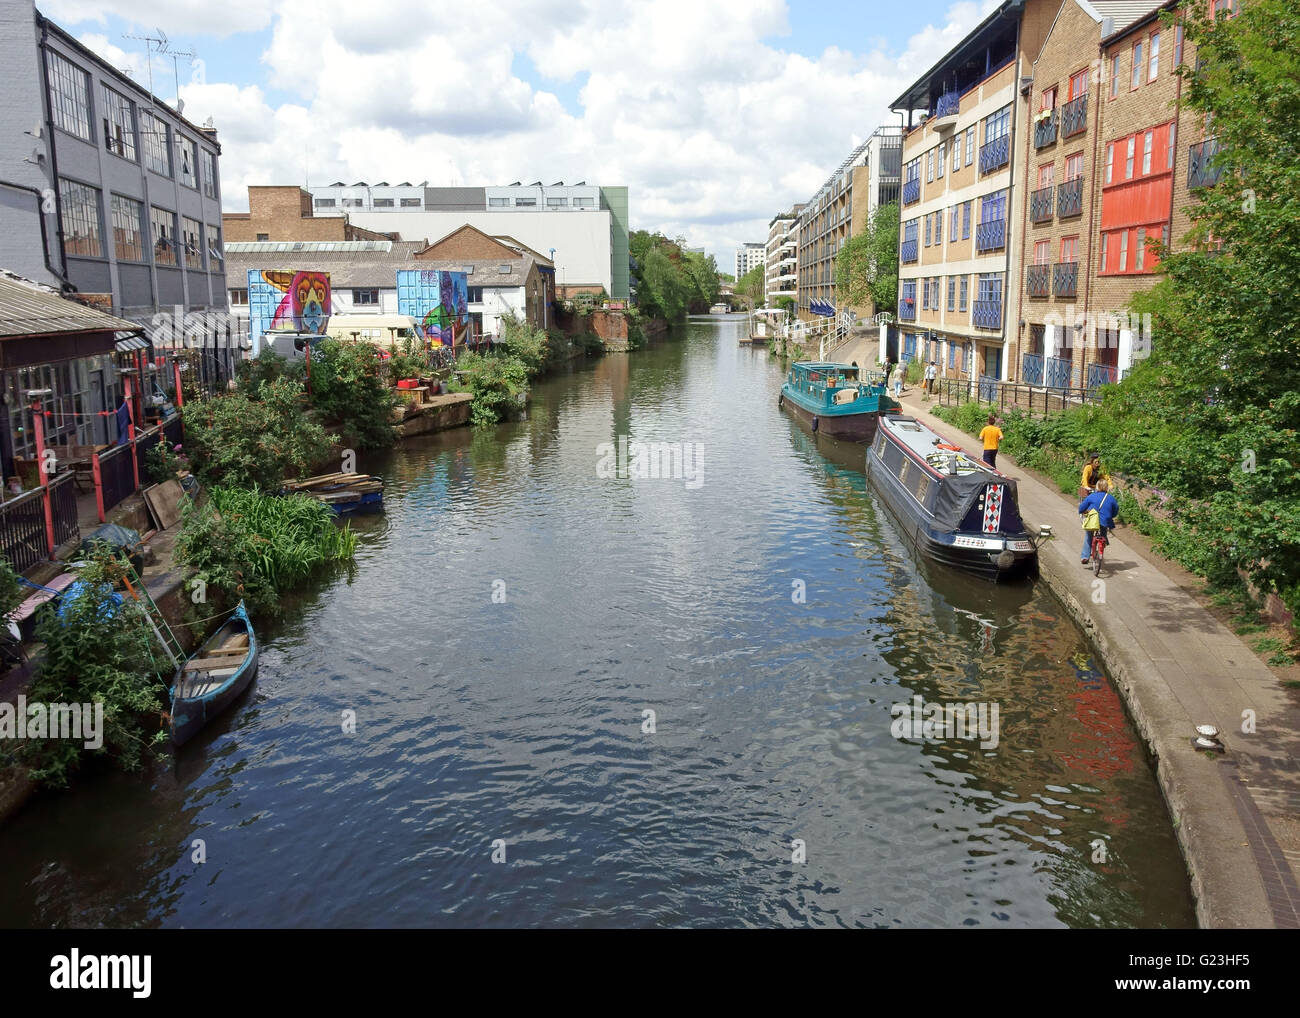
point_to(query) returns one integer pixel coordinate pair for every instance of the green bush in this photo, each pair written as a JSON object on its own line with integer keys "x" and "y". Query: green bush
{"x": 161, "y": 462}
{"x": 268, "y": 366}
{"x": 349, "y": 392}
{"x": 257, "y": 439}
{"x": 498, "y": 383}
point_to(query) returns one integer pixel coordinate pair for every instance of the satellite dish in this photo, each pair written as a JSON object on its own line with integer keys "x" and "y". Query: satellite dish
{"x": 180, "y": 105}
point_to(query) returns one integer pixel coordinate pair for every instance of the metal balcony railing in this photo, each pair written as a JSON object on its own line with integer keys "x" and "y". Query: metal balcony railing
{"x": 1101, "y": 374}
{"x": 907, "y": 309}
{"x": 988, "y": 314}
{"x": 991, "y": 235}
{"x": 1041, "y": 204}
{"x": 1031, "y": 369}
{"x": 1065, "y": 279}
{"x": 1069, "y": 198}
{"x": 911, "y": 190}
{"x": 949, "y": 104}
{"x": 1045, "y": 129}
{"x": 907, "y": 251}
{"x": 995, "y": 154}
{"x": 1058, "y": 372}
{"x": 1038, "y": 280}
{"x": 1074, "y": 116}
{"x": 1201, "y": 168}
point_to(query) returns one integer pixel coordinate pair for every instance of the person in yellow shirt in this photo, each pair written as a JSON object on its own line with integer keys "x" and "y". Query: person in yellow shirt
{"x": 991, "y": 435}
{"x": 1091, "y": 475}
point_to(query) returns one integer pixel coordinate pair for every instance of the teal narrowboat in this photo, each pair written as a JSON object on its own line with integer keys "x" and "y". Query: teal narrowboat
{"x": 836, "y": 399}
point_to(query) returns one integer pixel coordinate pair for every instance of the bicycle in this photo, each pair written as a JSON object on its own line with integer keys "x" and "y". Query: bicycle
{"x": 1098, "y": 551}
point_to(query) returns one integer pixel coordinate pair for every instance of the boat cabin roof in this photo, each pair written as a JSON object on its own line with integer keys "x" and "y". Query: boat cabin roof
{"x": 827, "y": 367}
{"x": 910, "y": 432}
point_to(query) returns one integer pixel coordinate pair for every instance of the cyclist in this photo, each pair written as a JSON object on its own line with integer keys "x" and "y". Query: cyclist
{"x": 1107, "y": 509}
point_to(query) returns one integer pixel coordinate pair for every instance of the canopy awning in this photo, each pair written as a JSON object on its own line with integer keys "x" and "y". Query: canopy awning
{"x": 128, "y": 341}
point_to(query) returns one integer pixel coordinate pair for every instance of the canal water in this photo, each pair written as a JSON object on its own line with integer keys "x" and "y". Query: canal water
{"x": 508, "y": 626}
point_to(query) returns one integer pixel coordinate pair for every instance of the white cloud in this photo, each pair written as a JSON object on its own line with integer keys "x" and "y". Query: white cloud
{"x": 176, "y": 17}
{"x": 693, "y": 105}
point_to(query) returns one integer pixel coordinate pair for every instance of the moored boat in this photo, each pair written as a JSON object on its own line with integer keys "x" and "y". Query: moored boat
{"x": 344, "y": 493}
{"x": 955, "y": 509}
{"x": 719, "y": 309}
{"x": 212, "y": 679}
{"x": 835, "y": 400}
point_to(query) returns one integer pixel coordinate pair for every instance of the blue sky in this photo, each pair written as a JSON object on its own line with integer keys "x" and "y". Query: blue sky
{"x": 716, "y": 115}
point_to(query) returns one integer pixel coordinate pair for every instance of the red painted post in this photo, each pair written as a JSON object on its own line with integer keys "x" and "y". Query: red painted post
{"x": 130, "y": 428}
{"x": 38, "y": 422}
{"x": 180, "y": 398}
{"x": 99, "y": 486}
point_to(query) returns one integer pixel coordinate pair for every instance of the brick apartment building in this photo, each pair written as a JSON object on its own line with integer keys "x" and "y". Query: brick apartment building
{"x": 286, "y": 213}
{"x": 1111, "y": 166}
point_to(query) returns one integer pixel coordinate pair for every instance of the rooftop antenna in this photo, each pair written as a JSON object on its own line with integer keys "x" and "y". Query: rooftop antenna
{"x": 159, "y": 44}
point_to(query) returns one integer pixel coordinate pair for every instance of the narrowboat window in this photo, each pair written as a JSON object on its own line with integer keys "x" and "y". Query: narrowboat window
{"x": 922, "y": 486}
{"x": 902, "y": 471}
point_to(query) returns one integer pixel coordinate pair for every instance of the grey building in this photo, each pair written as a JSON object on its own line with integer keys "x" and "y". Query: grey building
{"x": 107, "y": 191}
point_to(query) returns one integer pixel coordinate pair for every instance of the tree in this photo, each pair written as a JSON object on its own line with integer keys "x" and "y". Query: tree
{"x": 866, "y": 269}
{"x": 751, "y": 284}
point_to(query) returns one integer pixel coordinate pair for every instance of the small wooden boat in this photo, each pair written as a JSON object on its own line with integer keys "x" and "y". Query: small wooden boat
{"x": 212, "y": 679}
{"x": 952, "y": 508}
{"x": 835, "y": 400}
{"x": 344, "y": 493}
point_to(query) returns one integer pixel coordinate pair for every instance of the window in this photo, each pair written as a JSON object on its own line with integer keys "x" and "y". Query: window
{"x": 997, "y": 125}
{"x": 1046, "y": 175}
{"x": 943, "y": 158}
{"x": 80, "y": 219}
{"x": 1110, "y": 161}
{"x": 952, "y": 293}
{"x": 1105, "y": 237}
{"x": 956, "y": 154}
{"x": 1042, "y": 252}
{"x": 1070, "y": 249}
{"x": 970, "y": 145}
{"x": 584, "y": 203}
{"x": 1128, "y": 159}
{"x": 1178, "y": 45}
{"x": 929, "y": 166}
{"x": 993, "y": 207}
{"x": 263, "y": 236}
{"x": 192, "y": 238}
{"x": 927, "y": 231}
{"x": 412, "y": 203}
{"x": 128, "y": 229}
{"x": 215, "y": 251}
{"x": 324, "y": 203}
{"x": 965, "y": 220}
{"x": 189, "y": 160}
{"x": 1135, "y": 79}
{"x": 382, "y": 203}
{"x": 1114, "y": 76}
{"x": 153, "y": 138}
{"x": 938, "y": 227}
{"x": 238, "y": 297}
{"x": 209, "y": 161}
{"x": 69, "y": 96}
{"x": 163, "y": 225}
{"x": 119, "y": 125}
{"x": 956, "y": 219}
{"x": 1226, "y": 7}
{"x": 1153, "y": 61}
{"x": 1171, "y": 147}
{"x": 498, "y": 203}
{"x": 525, "y": 202}
{"x": 1048, "y": 101}
{"x": 1139, "y": 255}
{"x": 365, "y": 296}
{"x": 963, "y": 288}
{"x": 1123, "y": 251}
{"x": 1074, "y": 166}
{"x": 475, "y": 295}
{"x": 1079, "y": 83}
{"x": 557, "y": 203}
{"x": 1146, "y": 151}
{"x": 952, "y": 353}
{"x": 353, "y": 203}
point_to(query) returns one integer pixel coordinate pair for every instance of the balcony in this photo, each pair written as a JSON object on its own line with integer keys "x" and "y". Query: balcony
{"x": 1031, "y": 369}
{"x": 911, "y": 190}
{"x": 1074, "y": 116}
{"x": 1037, "y": 279}
{"x": 946, "y": 110}
{"x": 907, "y": 251}
{"x": 996, "y": 154}
{"x": 1045, "y": 130}
{"x": 1069, "y": 198}
{"x": 907, "y": 309}
{"x": 1065, "y": 279}
{"x": 1101, "y": 374}
{"x": 991, "y": 235}
{"x": 1041, "y": 204}
{"x": 1201, "y": 170}
{"x": 988, "y": 314}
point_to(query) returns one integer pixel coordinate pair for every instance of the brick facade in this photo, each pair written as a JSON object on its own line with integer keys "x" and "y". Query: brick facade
{"x": 285, "y": 213}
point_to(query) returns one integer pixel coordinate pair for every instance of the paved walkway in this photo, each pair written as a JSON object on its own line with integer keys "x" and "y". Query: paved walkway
{"x": 1237, "y": 816}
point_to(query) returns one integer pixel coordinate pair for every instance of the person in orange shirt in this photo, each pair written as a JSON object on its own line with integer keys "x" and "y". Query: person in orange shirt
{"x": 991, "y": 435}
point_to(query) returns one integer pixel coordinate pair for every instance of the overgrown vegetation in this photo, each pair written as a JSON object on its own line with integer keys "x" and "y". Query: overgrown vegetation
{"x": 670, "y": 281}
{"x": 349, "y": 392}
{"x": 250, "y": 545}
{"x": 866, "y": 269}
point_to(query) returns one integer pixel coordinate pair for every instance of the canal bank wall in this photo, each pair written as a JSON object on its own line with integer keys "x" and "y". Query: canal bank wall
{"x": 1177, "y": 667}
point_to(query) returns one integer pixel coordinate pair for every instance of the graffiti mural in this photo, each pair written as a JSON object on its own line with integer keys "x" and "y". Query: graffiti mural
{"x": 438, "y": 301}
{"x": 287, "y": 300}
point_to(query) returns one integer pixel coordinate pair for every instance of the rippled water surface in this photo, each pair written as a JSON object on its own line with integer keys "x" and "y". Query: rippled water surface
{"x": 523, "y": 721}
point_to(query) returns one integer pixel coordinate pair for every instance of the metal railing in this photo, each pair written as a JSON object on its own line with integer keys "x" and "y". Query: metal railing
{"x": 63, "y": 509}
{"x": 991, "y": 235}
{"x": 1074, "y": 116}
{"x": 114, "y": 476}
{"x": 1069, "y": 197}
{"x": 1031, "y": 368}
{"x": 907, "y": 309}
{"x": 911, "y": 190}
{"x": 1045, "y": 129}
{"x": 907, "y": 251}
{"x": 1101, "y": 374}
{"x": 1065, "y": 279}
{"x": 1032, "y": 399}
{"x": 172, "y": 430}
{"x": 1201, "y": 168}
{"x": 987, "y": 314}
{"x": 996, "y": 154}
{"x": 1042, "y": 204}
{"x": 1058, "y": 372}
{"x": 1038, "y": 280}
{"x": 949, "y": 103}
{"x": 23, "y": 538}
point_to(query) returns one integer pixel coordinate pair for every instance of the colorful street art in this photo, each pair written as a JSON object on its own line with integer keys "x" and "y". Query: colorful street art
{"x": 287, "y": 300}
{"x": 438, "y": 301}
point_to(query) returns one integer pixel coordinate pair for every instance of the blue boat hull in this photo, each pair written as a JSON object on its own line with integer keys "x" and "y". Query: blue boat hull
{"x": 190, "y": 713}
{"x": 850, "y": 427}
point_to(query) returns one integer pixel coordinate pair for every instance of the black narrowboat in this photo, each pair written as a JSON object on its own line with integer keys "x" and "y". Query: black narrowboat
{"x": 955, "y": 509}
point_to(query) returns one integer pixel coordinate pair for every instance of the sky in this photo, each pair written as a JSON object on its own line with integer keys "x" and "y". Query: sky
{"x": 716, "y": 114}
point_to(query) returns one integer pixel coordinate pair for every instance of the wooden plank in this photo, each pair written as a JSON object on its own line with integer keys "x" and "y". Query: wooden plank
{"x": 206, "y": 664}
{"x": 153, "y": 500}
{"x": 235, "y": 642}
{"x": 164, "y": 503}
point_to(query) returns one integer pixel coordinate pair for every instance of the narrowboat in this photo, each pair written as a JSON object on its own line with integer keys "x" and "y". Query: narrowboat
{"x": 213, "y": 678}
{"x": 955, "y": 509}
{"x": 835, "y": 400}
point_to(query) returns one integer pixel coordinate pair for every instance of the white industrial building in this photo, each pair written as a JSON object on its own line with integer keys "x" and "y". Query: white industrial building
{"x": 749, "y": 257}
